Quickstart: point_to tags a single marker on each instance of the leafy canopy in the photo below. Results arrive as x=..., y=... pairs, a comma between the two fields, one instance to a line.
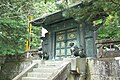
x=91, y=11
x=14, y=23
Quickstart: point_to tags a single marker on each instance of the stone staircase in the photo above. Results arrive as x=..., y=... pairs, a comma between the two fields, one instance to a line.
x=44, y=70
x=53, y=70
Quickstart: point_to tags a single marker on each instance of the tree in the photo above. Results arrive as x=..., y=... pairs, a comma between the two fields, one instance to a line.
x=14, y=24
x=91, y=11
x=110, y=28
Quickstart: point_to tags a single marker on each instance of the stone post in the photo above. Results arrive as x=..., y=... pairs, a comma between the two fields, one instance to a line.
x=78, y=68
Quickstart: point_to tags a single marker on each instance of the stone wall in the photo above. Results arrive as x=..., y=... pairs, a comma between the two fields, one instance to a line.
x=10, y=69
x=103, y=69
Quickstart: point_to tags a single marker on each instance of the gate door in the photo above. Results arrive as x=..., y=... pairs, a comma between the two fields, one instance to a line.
x=63, y=39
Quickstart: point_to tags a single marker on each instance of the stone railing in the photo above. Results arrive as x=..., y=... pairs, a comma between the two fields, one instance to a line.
x=24, y=73
x=108, y=48
x=62, y=73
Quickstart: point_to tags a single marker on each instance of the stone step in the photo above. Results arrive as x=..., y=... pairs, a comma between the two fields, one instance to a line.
x=43, y=70
x=39, y=74
x=38, y=61
x=53, y=62
x=47, y=62
x=48, y=66
x=33, y=78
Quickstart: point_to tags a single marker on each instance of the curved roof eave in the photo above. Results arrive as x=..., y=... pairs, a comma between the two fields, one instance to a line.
x=51, y=18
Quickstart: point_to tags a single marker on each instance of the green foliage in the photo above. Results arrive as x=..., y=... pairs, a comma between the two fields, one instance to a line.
x=12, y=37
x=40, y=8
x=87, y=11
x=35, y=37
x=110, y=28
x=92, y=11
x=14, y=24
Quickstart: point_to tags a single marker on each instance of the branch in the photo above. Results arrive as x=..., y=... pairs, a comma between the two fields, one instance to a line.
x=4, y=39
x=99, y=25
x=115, y=2
x=20, y=8
x=109, y=11
x=112, y=2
